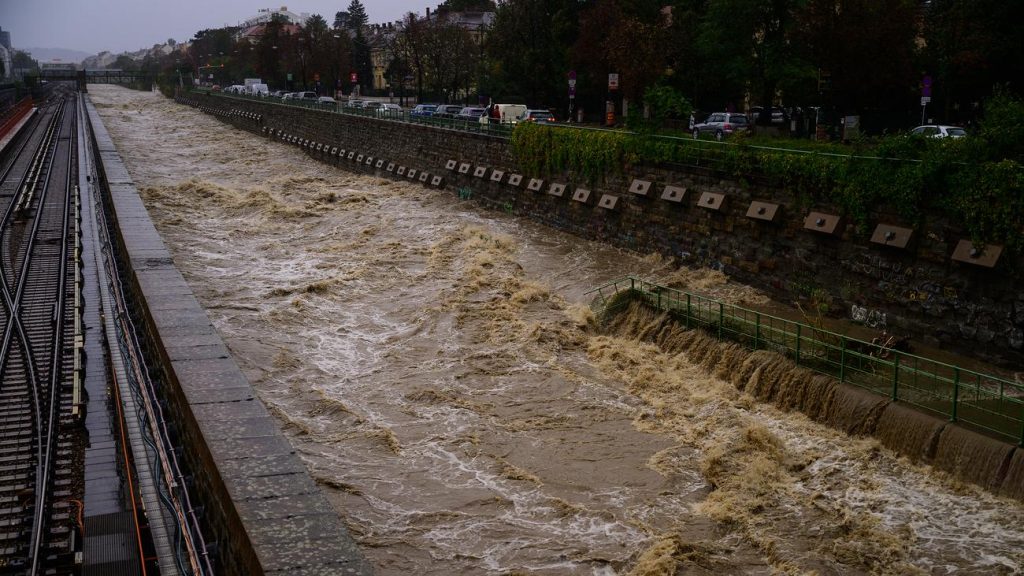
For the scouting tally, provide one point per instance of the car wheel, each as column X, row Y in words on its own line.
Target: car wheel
column 696, row 134
column 719, row 135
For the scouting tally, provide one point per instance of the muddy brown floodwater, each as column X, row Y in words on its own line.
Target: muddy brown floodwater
column 433, row 364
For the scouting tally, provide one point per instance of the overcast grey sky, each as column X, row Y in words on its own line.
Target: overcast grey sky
column 120, row 25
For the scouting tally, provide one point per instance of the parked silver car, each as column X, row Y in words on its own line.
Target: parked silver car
column 471, row 113
column 722, row 124
column 938, row 131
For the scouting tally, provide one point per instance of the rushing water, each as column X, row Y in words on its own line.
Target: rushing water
column 434, row 366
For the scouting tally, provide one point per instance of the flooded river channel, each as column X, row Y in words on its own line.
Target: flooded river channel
column 434, row 365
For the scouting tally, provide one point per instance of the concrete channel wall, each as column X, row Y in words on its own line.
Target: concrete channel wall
column 260, row 506
column 794, row 249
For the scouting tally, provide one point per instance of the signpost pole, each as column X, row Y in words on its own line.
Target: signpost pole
column 572, row 93
column 926, row 95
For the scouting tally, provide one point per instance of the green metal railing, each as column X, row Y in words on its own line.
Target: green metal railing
column 491, row 129
column 984, row 401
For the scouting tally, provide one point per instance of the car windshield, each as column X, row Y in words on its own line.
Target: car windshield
column 738, row 119
column 956, row 132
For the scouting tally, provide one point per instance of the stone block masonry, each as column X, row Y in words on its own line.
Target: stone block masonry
column 795, row 250
column 259, row 504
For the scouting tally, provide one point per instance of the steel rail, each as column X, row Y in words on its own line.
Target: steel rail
column 45, row 157
column 56, row 358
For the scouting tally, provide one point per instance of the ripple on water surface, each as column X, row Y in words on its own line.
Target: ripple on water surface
column 432, row 364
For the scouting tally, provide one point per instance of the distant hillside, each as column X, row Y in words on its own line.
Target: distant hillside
column 62, row 54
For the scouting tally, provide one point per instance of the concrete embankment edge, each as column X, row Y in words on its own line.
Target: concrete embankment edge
column 261, row 506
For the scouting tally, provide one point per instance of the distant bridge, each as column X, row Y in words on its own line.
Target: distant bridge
column 83, row 77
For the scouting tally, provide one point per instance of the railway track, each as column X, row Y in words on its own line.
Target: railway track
column 40, row 458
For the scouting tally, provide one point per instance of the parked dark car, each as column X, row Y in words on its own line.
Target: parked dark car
column 423, row 110
column 539, row 116
column 778, row 115
column 722, row 124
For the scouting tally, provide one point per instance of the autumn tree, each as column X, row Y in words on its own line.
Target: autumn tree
column 409, row 48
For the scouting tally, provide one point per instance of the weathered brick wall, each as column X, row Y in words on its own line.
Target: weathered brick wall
column 917, row 291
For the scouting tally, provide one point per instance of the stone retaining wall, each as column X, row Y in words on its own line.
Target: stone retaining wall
column 794, row 251
column 260, row 507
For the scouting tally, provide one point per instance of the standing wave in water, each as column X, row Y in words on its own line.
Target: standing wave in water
column 438, row 371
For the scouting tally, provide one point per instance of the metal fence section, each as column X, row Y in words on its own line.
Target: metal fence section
column 984, row 401
column 339, row 107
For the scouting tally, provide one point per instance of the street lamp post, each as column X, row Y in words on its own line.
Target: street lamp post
column 302, row 61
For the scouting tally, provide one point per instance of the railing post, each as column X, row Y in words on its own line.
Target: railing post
column 842, row 361
column 688, row 311
column 632, row 283
column 895, row 376
column 956, row 396
column 799, row 339
column 721, row 319
column 757, row 330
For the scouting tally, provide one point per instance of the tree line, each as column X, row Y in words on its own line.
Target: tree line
column 865, row 57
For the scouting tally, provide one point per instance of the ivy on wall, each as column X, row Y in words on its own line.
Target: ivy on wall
column 957, row 178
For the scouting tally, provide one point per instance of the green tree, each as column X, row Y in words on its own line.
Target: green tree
column 125, row 62
column 23, row 60
column 319, row 41
column 972, row 46
column 745, row 47
column 867, row 50
column 340, row 20
column 357, row 17
column 526, row 47
column 268, row 53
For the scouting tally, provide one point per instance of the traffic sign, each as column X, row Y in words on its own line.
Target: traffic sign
column 613, row 81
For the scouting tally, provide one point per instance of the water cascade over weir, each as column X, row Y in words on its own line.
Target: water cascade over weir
column 772, row 378
column 436, row 368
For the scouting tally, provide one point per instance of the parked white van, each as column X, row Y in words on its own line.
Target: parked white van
column 511, row 113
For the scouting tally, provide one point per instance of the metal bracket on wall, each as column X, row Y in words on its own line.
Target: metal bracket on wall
column 640, row 187
column 986, row 255
column 673, row 193
column 608, row 201
column 889, row 235
column 766, row 211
